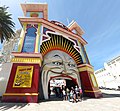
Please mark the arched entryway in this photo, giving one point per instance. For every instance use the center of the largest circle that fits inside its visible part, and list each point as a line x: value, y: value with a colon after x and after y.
x: 58, y: 64
x: 58, y: 83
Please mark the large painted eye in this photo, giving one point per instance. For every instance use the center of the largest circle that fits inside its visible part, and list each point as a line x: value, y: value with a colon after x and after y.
x: 71, y: 65
x: 57, y: 63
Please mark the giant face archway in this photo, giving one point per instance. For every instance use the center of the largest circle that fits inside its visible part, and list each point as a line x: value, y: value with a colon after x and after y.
x: 58, y: 63
x: 40, y: 37
x: 60, y: 58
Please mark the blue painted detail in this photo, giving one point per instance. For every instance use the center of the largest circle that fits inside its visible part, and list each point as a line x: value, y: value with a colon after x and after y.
x: 29, y: 41
x: 44, y: 30
x: 27, y: 14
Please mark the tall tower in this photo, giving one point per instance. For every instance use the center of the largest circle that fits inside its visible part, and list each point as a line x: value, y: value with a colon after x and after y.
x: 47, y: 50
x: 22, y: 85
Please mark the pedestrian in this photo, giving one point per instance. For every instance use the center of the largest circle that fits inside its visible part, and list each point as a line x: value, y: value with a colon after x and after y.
x: 80, y: 94
x: 64, y: 94
x: 74, y: 96
x: 71, y: 95
x: 68, y: 94
x: 76, y: 91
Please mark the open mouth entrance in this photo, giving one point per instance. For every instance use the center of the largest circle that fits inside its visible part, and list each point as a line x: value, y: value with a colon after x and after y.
x: 56, y: 86
x: 58, y: 65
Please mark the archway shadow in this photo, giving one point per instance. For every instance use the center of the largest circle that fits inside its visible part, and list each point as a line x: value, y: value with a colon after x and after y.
x: 53, y: 98
x: 5, y: 106
x: 49, y: 100
x: 60, y: 99
x: 17, y: 106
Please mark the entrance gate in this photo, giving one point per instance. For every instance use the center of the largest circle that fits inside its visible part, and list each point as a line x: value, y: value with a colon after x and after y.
x: 58, y: 64
x: 56, y: 86
x: 47, y: 49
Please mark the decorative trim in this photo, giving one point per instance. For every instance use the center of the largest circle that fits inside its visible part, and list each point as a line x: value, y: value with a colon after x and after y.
x: 49, y: 25
x: 37, y: 39
x: 92, y: 91
x: 20, y: 94
x: 86, y: 68
x: 58, y: 42
x: 85, y: 64
x: 20, y: 45
x: 19, y: 54
x: 93, y: 80
x: 26, y: 60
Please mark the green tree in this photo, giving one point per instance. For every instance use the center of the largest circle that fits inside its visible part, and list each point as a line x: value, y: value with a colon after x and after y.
x: 6, y: 24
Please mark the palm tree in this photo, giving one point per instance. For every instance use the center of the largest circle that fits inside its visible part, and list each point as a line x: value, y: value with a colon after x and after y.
x: 6, y: 24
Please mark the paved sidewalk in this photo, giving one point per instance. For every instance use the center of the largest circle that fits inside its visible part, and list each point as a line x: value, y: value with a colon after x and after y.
x: 109, y: 102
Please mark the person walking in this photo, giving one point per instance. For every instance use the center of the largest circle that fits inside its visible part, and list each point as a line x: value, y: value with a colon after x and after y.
x: 77, y: 91
x: 68, y: 94
x: 64, y: 94
x: 74, y: 95
x: 71, y: 95
x: 80, y: 94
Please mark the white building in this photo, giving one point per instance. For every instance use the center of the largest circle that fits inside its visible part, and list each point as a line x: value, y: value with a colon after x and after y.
x: 5, y: 64
x: 109, y: 76
x: 10, y: 46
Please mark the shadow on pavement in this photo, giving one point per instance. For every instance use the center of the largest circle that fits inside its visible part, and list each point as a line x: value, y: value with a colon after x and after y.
x: 105, y: 95
x: 6, y: 106
x: 58, y: 99
x: 51, y: 99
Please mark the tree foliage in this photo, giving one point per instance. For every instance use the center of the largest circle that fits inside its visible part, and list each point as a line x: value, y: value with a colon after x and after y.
x: 6, y: 24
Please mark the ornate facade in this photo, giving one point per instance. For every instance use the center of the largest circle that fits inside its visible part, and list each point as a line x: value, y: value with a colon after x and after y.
x: 47, y: 50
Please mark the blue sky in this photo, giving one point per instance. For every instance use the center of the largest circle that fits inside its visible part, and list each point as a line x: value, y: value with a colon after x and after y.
x: 100, y: 19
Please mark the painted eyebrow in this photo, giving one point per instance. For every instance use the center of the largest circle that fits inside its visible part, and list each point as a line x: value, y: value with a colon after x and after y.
x: 57, y: 56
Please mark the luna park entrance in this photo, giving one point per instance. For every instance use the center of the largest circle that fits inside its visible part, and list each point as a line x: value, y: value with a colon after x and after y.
x: 56, y: 86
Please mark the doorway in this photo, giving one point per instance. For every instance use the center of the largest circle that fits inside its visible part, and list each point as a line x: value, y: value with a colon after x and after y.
x: 56, y: 86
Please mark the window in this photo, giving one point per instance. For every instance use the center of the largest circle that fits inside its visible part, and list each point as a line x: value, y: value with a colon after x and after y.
x: 29, y: 42
x: 34, y: 14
